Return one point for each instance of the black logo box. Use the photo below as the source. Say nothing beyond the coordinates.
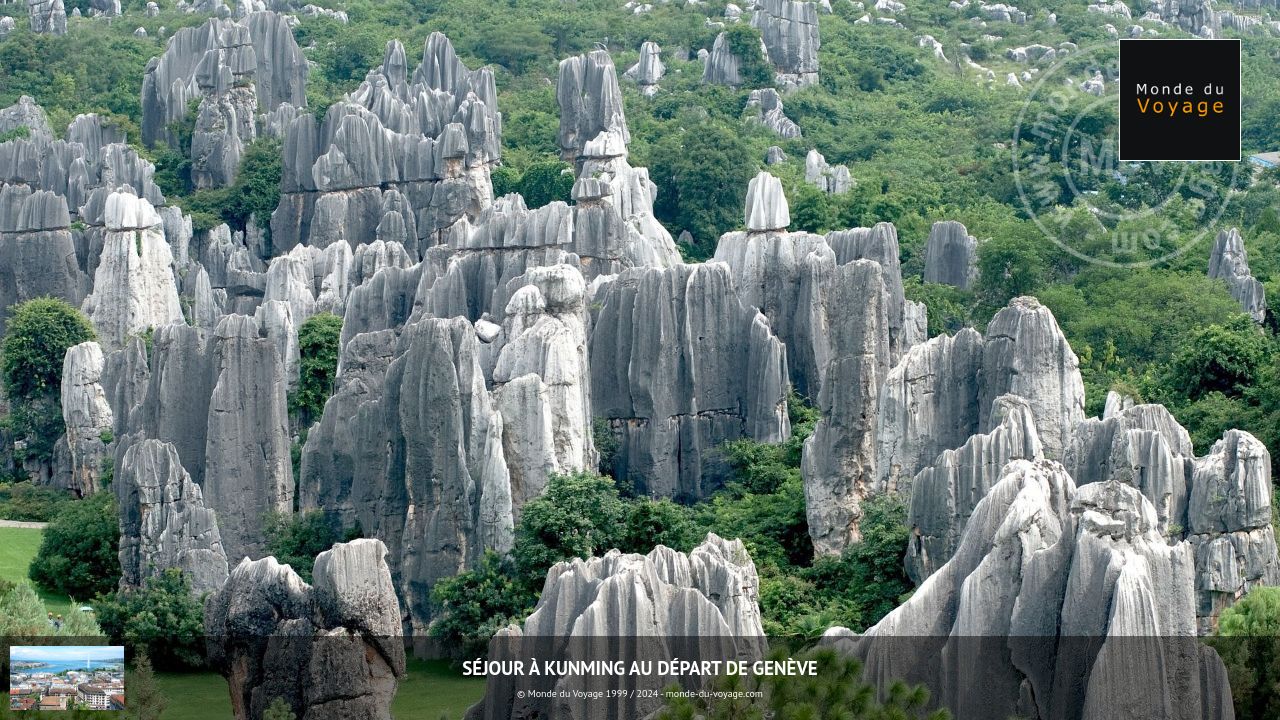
(1186, 64)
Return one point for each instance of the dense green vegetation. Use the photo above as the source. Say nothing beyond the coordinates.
(318, 344)
(837, 692)
(296, 540)
(79, 551)
(28, 502)
(18, 547)
(161, 620)
(1248, 640)
(584, 514)
(38, 334)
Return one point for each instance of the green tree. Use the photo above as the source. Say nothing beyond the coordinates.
(578, 515)
(279, 710)
(162, 620)
(22, 614)
(1248, 640)
(145, 700)
(319, 341)
(296, 540)
(475, 604)
(702, 174)
(546, 182)
(1223, 358)
(78, 554)
(836, 692)
(649, 523)
(35, 342)
(746, 45)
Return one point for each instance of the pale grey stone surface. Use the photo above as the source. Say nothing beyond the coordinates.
(164, 522)
(331, 650)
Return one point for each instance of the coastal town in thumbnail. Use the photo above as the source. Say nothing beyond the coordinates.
(66, 677)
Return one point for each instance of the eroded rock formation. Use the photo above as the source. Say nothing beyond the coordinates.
(679, 365)
(1230, 262)
(331, 650)
(87, 417)
(1059, 601)
(951, 255)
(441, 495)
(665, 604)
(164, 522)
(789, 29)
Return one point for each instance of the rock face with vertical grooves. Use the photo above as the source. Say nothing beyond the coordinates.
(1229, 524)
(789, 29)
(164, 522)
(331, 650)
(721, 66)
(219, 397)
(214, 57)
(831, 179)
(648, 70)
(411, 448)
(943, 390)
(951, 255)
(134, 286)
(38, 249)
(679, 365)
(248, 471)
(26, 113)
(86, 415)
(766, 205)
(47, 16)
(1230, 262)
(419, 145)
(1081, 590)
(944, 495)
(769, 112)
(658, 601)
(1027, 355)
(612, 199)
(839, 461)
(541, 380)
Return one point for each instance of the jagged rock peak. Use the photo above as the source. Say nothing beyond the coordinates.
(942, 390)
(164, 522)
(721, 66)
(1026, 354)
(1078, 590)
(719, 374)
(345, 659)
(134, 287)
(789, 30)
(1230, 262)
(769, 113)
(766, 204)
(951, 255)
(443, 497)
(648, 70)
(944, 495)
(86, 415)
(26, 113)
(831, 179)
(702, 604)
(210, 60)
(591, 106)
(47, 17)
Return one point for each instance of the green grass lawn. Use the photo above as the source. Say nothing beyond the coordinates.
(430, 692)
(18, 548)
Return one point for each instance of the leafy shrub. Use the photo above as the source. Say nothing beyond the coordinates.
(36, 340)
(161, 620)
(78, 554)
(319, 341)
(28, 502)
(296, 540)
